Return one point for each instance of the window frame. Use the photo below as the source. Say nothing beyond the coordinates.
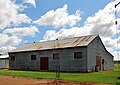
(33, 57)
(78, 55)
(56, 56)
(12, 58)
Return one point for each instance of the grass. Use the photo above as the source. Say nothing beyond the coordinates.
(95, 77)
(107, 77)
(116, 67)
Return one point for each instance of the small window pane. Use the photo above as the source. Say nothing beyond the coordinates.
(12, 58)
(56, 56)
(78, 55)
(33, 57)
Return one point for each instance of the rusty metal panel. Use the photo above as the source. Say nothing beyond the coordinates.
(53, 44)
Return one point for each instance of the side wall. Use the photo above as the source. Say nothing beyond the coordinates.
(96, 48)
(23, 61)
(4, 63)
(67, 61)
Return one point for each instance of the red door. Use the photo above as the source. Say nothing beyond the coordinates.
(44, 63)
(98, 61)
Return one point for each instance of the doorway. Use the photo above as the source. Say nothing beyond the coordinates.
(103, 61)
(44, 63)
(98, 63)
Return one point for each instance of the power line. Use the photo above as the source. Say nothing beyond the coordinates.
(3, 29)
(107, 28)
(117, 37)
(112, 19)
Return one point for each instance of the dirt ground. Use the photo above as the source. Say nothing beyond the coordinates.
(7, 80)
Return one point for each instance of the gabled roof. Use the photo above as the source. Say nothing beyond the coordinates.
(55, 44)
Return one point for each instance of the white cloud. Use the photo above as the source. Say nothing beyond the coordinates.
(63, 33)
(115, 53)
(9, 40)
(21, 32)
(12, 41)
(7, 11)
(21, 18)
(9, 14)
(50, 35)
(3, 39)
(32, 2)
(59, 18)
(101, 23)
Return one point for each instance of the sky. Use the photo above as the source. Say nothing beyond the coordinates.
(28, 21)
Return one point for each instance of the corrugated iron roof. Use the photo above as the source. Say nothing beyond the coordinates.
(4, 56)
(54, 44)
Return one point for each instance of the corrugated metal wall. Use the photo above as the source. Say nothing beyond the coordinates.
(96, 48)
(4, 63)
(67, 61)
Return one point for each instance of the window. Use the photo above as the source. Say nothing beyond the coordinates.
(12, 58)
(33, 57)
(56, 56)
(77, 55)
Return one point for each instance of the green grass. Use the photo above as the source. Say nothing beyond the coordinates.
(95, 77)
(107, 77)
(28, 74)
(116, 67)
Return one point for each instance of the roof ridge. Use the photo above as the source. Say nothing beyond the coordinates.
(67, 38)
(61, 43)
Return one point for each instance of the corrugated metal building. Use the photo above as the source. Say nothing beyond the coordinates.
(4, 61)
(85, 53)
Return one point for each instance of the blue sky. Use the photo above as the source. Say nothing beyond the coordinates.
(26, 21)
(43, 6)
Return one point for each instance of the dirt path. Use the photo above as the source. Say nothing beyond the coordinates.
(7, 80)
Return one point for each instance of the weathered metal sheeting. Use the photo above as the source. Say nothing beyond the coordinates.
(4, 56)
(55, 44)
